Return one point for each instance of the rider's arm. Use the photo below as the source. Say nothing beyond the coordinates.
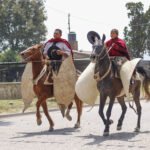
(46, 48)
(65, 51)
(46, 58)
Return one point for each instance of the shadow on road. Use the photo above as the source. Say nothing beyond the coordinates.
(121, 136)
(64, 131)
(5, 123)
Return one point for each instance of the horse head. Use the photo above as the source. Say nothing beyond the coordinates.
(97, 43)
(32, 53)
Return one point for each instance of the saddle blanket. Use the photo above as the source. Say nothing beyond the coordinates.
(86, 85)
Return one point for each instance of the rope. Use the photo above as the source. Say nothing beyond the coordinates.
(132, 106)
(109, 69)
(35, 81)
(101, 78)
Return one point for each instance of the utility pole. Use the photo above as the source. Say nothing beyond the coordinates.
(69, 22)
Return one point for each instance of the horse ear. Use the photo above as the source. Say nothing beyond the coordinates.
(92, 36)
(103, 38)
(40, 45)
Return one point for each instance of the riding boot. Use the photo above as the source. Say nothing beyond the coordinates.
(49, 80)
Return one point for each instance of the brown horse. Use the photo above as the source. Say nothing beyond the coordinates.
(111, 87)
(34, 55)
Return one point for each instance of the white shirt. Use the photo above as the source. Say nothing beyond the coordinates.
(61, 45)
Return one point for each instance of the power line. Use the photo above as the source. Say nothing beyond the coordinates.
(87, 20)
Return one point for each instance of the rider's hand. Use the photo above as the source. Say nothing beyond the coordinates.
(60, 52)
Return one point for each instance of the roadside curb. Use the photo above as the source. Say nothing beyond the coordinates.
(33, 112)
(50, 110)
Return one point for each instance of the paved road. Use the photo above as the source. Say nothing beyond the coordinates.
(22, 133)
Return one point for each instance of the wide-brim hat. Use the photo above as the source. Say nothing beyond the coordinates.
(92, 35)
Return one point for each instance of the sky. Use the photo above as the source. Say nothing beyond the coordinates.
(86, 15)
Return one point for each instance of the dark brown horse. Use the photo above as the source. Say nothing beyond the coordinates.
(34, 55)
(110, 86)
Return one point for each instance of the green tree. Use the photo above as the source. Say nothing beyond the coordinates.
(9, 56)
(21, 24)
(147, 16)
(136, 33)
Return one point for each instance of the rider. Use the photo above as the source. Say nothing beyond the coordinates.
(117, 46)
(63, 47)
(117, 50)
(56, 49)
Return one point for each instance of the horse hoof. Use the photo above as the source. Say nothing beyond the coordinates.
(106, 134)
(39, 122)
(119, 128)
(51, 129)
(111, 121)
(77, 125)
(137, 130)
(69, 117)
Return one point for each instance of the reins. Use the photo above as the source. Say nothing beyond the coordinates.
(109, 68)
(105, 75)
(26, 59)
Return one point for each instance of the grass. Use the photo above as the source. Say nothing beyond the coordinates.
(16, 106)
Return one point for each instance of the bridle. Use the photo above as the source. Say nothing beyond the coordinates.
(98, 57)
(28, 58)
(37, 52)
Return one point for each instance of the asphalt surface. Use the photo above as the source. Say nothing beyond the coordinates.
(22, 133)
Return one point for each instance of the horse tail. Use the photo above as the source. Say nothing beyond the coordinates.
(146, 84)
(146, 81)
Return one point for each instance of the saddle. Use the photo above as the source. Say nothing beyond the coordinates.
(55, 63)
(117, 62)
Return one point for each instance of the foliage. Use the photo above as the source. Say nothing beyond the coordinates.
(21, 24)
(136, 34)
(9, 56)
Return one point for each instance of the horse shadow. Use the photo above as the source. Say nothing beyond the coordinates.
(120, 136)
(5, 123)
(63, 131)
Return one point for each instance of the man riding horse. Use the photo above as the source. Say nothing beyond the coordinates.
(110, 86)
(116, 46)
(56, 50)
(117, 51)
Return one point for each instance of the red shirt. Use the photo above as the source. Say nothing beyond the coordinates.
(117, 48)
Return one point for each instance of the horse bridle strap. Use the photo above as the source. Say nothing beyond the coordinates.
(98, 78)
(107, 52)
(43, 71)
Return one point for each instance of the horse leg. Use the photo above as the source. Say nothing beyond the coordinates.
(139, 109)
(108, 114)
(38, 115)
(45, 109)
(101, 107)
(124, 109)
(79, 105)
(68, 116)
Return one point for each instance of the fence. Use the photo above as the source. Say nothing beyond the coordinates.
(10, 77)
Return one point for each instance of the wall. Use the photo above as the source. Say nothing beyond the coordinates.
(10, 90)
